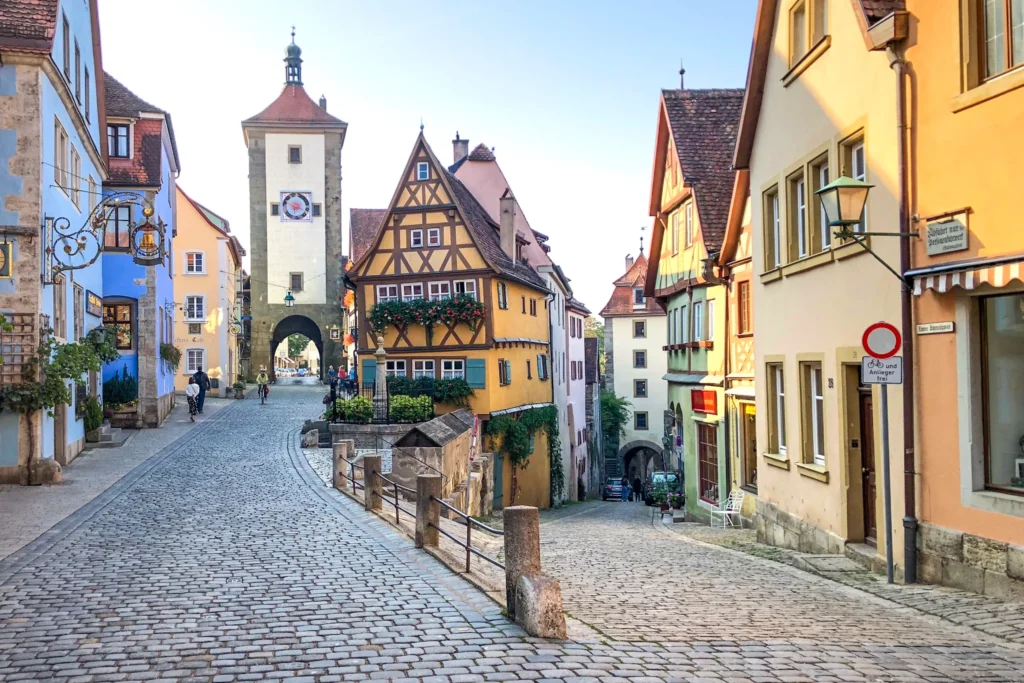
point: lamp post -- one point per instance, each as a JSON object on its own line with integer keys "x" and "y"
{"x": 289, "y": 300}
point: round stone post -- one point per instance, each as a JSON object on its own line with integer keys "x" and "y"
{"x": 522, "y": 549}
{"x": 371, "y": 468}
{"x": 380, "y": 385}
{"x": 339, "y": 463}
{"x": 427, "y": 511}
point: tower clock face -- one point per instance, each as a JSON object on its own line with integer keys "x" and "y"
{"x": 296, "y": 206}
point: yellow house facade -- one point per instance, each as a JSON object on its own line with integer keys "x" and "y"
{"x": 436, "y": 242}
{"x": 208, "y": 264}
{"x": 820, "y": 103}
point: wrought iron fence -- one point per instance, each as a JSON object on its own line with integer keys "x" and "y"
{"x": 470, "y": 523}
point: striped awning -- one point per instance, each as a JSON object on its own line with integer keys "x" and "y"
{"x": 994, "y": 272}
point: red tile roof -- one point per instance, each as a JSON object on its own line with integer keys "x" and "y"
{"x": 120, "y": 101}
{"x": 621, "y": 301}
{"x": 294, "y": 106}
{"x": 362, "y": 230}
{"x": 28, "y": 25}
{"x": 481, "y": 153}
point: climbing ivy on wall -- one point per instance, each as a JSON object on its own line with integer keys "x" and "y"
{"x": 513, "y": 434}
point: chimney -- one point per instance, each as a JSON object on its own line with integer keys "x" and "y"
{"x": 508, "y": 224}
{"x": 460, "y": 148}
{"x": 323, "y": 103}
{"x": 629, "y": 261}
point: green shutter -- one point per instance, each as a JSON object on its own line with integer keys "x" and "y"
{"x": 369, "y": 371}
{"x": 476, "y": 373}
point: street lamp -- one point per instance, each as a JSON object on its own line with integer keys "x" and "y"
{"x": 289, "y": 300}
{"x": 843, "y": 201}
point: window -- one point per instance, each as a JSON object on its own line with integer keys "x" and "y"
{"x": 698, "y": 322}
{"x": 60, "y": 156}
{"x": 502, "y": 295}
{"x": 195, "y": 262}
{"x": 675, "y": 232}
{"x": 453, "y": 369}
{"x": 411, "y": 292}
{"x": 639, "y": 329}
{"x": 294, "y": 154}
{"x": 504, "y": 372}
{"x": 1003, "y": 47}
{"x": 689, "y": 224}
{"x": 640, "y": 420}
{"x": 296, "y": 281}
{"x": 638, "y": 297}
{"x": 433, "y": 237}
{"x": 855, "y": 162}
{"x": 195, "y": 360}
{"x": 76, "y": 178}
{"x": 317, "y": 211}
{"x": 117, "y": 140}
{"x": 394, "y": 368}
{"x": 386, "y": 293}
{"x": 711, "y": 321}
{"x": 813, "y": 406}
{"x": 529, "y": 373}
{"x": 776, "y": 408}
{"x": 93, "y": 194}
{"x": 1002, "y": 332}
{"x": 422, "y": 171}
{"x": 275, "y": 209}
{"x": 66, "y": 42}
{"x": 88, "y": 95}
{"x": 60, "y": 308}
{"x": 744, "y": 322}
{"x": 821, "y": 233}
{"x": 195, "y": 307}
{"x": 639, "y": 359}
{"x": 819, "y": 20}
{"x": 415, "y": 239}
{"x": 118, "y": 226}
{"x": 533, "y": 307}
{"x": 78, "y": 71}
{"x": 797, "y": 33}
{"x": 639, "y": 388}
{"x": 707, "y": 462}
{"x": 772, "y": 237}
{"x": 422, "y": 368}
{"x": 440, "y": 290}
{"x": 524, "y": 305}
{"x": 684, "y": 325}
{"x": 465, "y": 288}
{"x": 119, "y": 316}
{"x": 542, "y": 366}
{"x": 797, "y": 217}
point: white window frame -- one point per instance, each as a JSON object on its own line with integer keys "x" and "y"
{"x": 826, "y": 231}
{"x": 422, "y": 171}
{"x": 453, "y": 368}
{"x": 689, "y": 224}
{"x": 60, "y": 155}
{"x": 433, "y": 237}
{"x": 190, "y": 366}
{"x": 861, "y": 174}
{"x": 643, "y": 300}
{"x": 801, "y": 218}
{"x": 409, "y": 291}
{"x": 423, "y": 368}
{"x": 76, "y": 177}
{"x": 395, "y": 368}
{"x": 675, "y": 233}
{"x": 776, "y": 232}
{"x": 684, "y": 325}
{"x": 416, "y": 239}
{"x": 698, "y": 321}
{"x": 468, "y": 288}
{"x": 386, "y": 296}
{"x": 780, "y": 407}
{"x": 201, "y": 298}
{"x": 710, "y": 321}
{"x": 502, "y": 289}
{"x": 190, "y": 269}
{"x": 816, "y": 397}
{"x": 439, "y": 295}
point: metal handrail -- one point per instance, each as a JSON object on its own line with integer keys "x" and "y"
{"x": 352, "y": 476}
{"x": 398, "y": 508}
{"x": 470, "y": 523}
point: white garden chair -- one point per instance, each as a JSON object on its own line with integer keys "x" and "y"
{"x": 731, "y": 512}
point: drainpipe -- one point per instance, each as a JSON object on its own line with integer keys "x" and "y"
{"x": 899, "y": 66}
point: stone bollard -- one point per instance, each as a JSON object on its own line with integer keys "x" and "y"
{"x": 340, "y": 464}
{"x": 371, "y": 468}
{"x": 522, "y": 549}
{"x": 427, "y": 511}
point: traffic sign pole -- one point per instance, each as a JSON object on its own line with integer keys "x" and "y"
{"x": 886, "y": 485}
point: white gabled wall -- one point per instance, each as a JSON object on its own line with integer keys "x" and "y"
{"x": 657, "y": 365}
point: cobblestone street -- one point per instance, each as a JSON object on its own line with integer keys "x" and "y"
{"x": 225, "y": 558}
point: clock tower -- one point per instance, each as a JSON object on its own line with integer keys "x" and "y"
{"x": 295, "y": 221}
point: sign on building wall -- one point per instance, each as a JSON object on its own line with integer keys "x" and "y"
{"x": 882, "y": 370}
{"x": 947, "y": 235}
{"x": 704, "y": 401}
{"x": 5, "y": 259}
{"x": 93, "y": 303}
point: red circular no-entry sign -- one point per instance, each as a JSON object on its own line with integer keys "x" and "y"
{"x": 882, "y": 341}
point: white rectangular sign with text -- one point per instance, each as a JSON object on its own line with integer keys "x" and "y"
{"x": 879, "y": 371}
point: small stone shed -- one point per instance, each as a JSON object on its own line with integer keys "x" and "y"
{"x": 442, "y": 444}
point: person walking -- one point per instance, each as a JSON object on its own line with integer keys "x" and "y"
{"x": 192, "y": 396}
{"x": 204, "y": 385}
{"x": 625, "y": 487}
{"x": 637, "y": 488}
{"x": 332, "y": 374}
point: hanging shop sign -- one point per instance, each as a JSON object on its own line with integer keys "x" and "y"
{"x": 93, "y": 303}
{"x": 6, "y": 259}
{"x": 947, "y": 234}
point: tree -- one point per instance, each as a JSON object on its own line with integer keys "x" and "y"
{"x": 593, "y": 328}
{"x": 297, "y": 343}
{"x": 616, "y": 413}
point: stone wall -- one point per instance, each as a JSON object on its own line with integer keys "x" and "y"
{"x": 781, "y": 529}
{"x": 974, "y": 563}
{"x": 369, "y": 436}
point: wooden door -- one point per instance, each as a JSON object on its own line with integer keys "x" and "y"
{"x": 60, "y": 437}
{"x": 499, "y": 481}
{"x": 867, "y": 454}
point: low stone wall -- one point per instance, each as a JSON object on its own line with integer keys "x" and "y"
{"x": 974, "y": 563}
{"x": 781, "y": 529}
{"x": 369, "y": 436}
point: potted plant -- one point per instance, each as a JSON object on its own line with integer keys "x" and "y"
{"x": 660, "y": 498}
{"x": 93, "y": 419}
{"x": 676, "y": 500}
{"x": 239, "y": 388}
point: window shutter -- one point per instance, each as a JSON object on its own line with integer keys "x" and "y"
{"x": 540, "y": 366}
{"x": 476, "y": 373}
{"x": 508, "y": 372}
{"x": 369, "y": 371}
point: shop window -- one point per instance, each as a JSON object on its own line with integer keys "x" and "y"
{"x": 1003, "y": 386}
{"x": 119, "y": 316}
{"x": 707, "y": 462}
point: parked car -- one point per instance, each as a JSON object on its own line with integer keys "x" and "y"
{"x": 302, "y": 372}
{"x": 612, "y": 489}
{"x": 669, "y": 482}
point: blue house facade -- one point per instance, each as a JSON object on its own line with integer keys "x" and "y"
{"x": 138, "y": 301}
{"x": 52, "y": 169}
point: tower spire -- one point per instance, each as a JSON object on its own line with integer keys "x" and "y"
{"x": 293, "y": 63}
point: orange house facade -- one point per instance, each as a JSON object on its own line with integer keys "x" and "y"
{"x": 967, "y": 274}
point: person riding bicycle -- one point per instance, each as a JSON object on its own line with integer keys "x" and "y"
{"x": 262, "y": 380}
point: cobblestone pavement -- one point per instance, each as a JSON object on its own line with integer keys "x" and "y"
{"x": 226, "y": 559}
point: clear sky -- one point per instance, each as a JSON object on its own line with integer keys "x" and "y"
{"x": 566, "y": 91}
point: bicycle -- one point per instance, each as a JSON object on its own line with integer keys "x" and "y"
{"x": 263, "y": 390}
